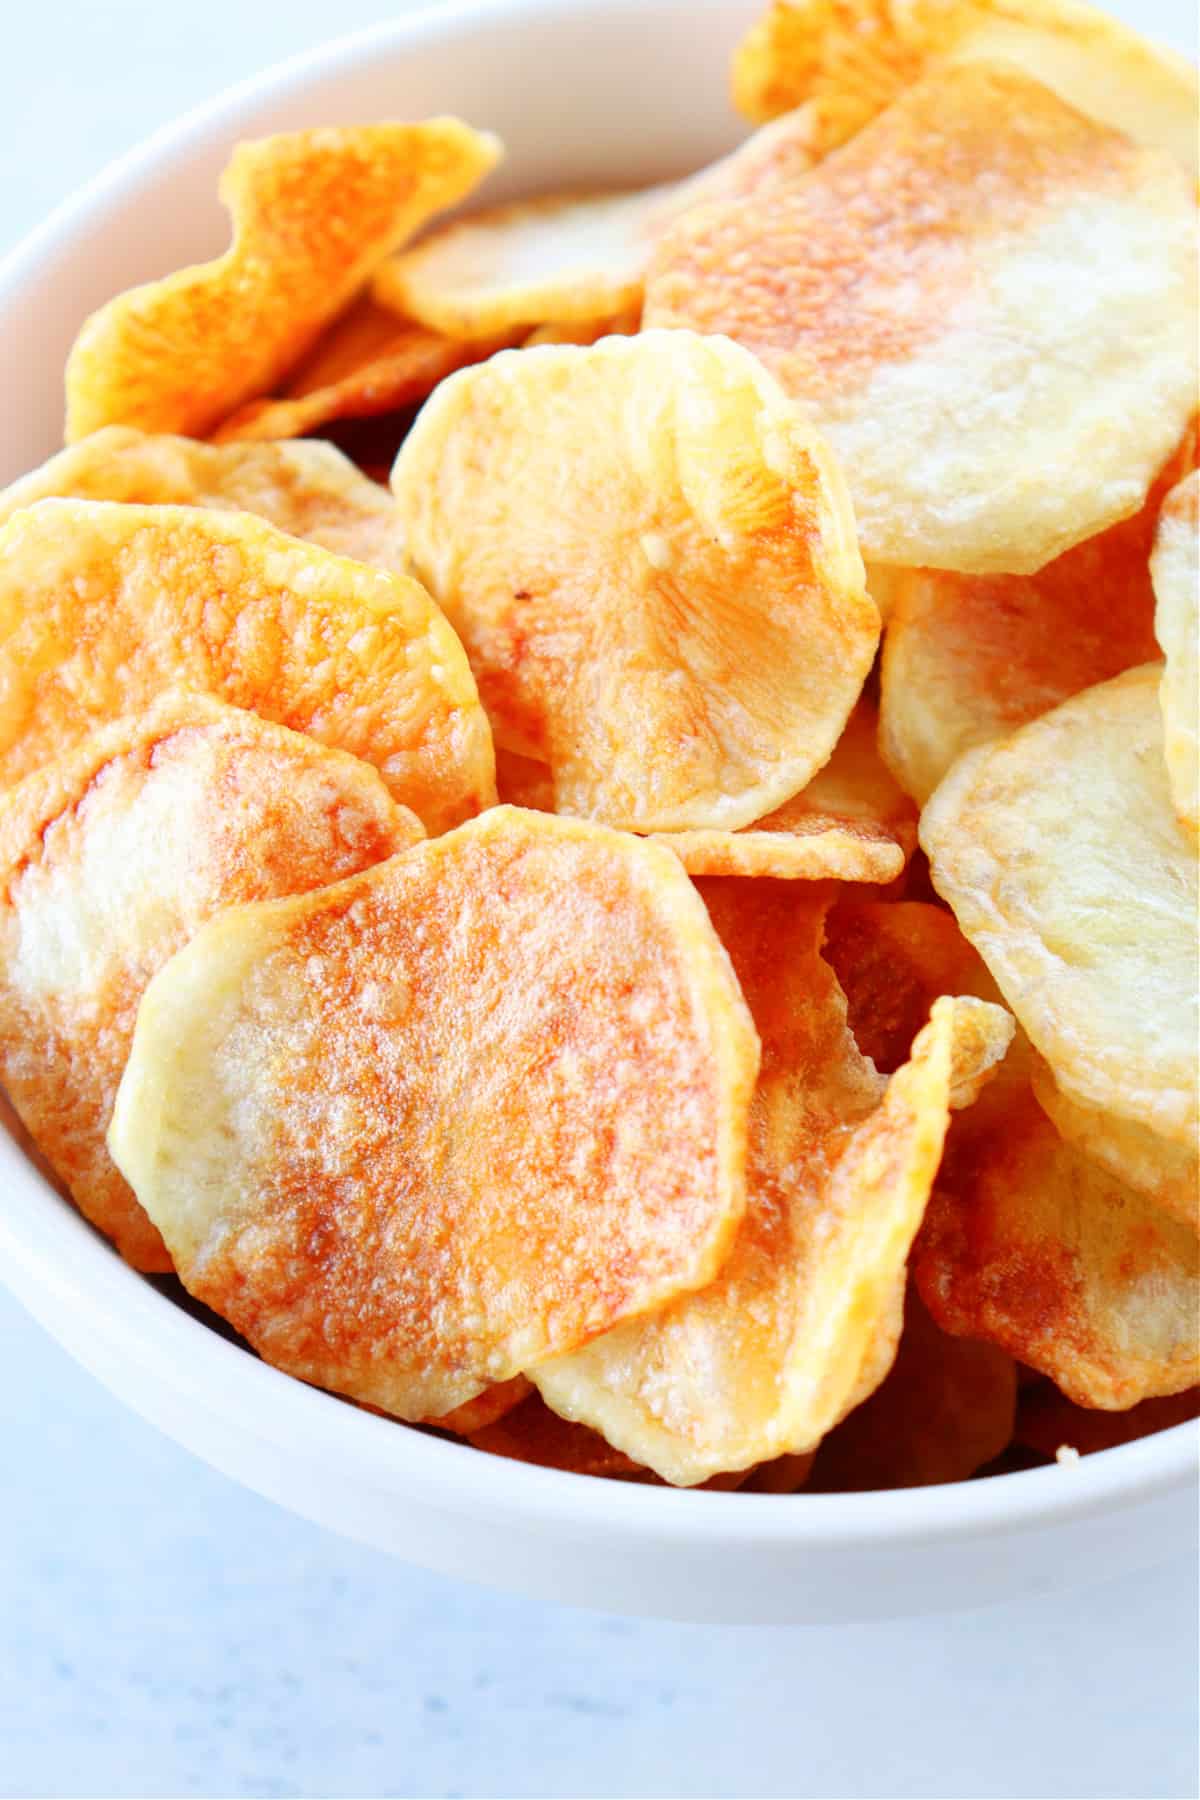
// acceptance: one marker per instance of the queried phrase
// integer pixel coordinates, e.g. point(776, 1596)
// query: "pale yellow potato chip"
point(1165, 1171)
point(314, 213)
point(449, 1117)
point(309, 490)
point(767, 1358)
point(968, 658)
point(947, 1407)
point(1000, 379)
point(586, 331)
point(1029, 1244)
point(110, 859)
point(103, 606)
point(1175, 567)
point(1060, 853)
point(651, 561)
point(848, 59)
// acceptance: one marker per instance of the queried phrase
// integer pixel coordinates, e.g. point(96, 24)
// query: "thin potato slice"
point(1165, 1171)
point(110, 859)
point(309, 490)
point(1000, 380)
point(314, 212)
point(1065, 865)
point(586, 331)
point(651, 561)
point(846, 60)
point(104, 606)
point(947, 1407)
point(773, 1353)
point(1175, 567)
point(1029, 1244)
point(449, 1117)
point(968, 658)
point(1047, 1421)
point(486, 1408)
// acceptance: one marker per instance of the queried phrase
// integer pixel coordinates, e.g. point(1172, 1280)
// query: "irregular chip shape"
point(770, 1355)
point(110, 860)
point(105, 606)
point(1061, 855)
point(947, 1407)
point(311, 491)
point(999, 380)
point(1164, 1170)
point(449, 1117)
point(651, 561)
point(1175, 567)
point(1030, 1245)
point(1047, 1421)
point(586, 331)
point(968, 658)
point(846, 60)
point(533, 1434)
point(314, 212)
point(486, 1408)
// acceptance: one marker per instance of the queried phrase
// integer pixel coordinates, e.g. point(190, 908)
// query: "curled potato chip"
point(1165, 1171)
point(1029, 1244)
point(947, 1407)
point(104, 606)
point(774, 1351)
point(1047, 1421)
point(486, 1408)
point(1000, 381)
point(1065, 865)
point(110, 859)
point(313, 213)
point(296, 1119)
point(846, 60)
point(369, 362)
point(309, 490)
point(651, 561)
point(967, 658)
point(1175, 567)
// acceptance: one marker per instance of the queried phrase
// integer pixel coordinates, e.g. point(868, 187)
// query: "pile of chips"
point(646, 916)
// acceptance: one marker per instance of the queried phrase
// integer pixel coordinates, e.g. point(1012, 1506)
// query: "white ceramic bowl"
point(582, 91)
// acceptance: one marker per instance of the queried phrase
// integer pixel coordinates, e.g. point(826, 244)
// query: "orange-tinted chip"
point(486, 1408)
point(313, 213)
point(1049, 1422)
point(110, 859)
point(534, 1434)
point(651, 561)
point(803, 1314)
point(416, 1132)
point(105, 606)
point(309, 490)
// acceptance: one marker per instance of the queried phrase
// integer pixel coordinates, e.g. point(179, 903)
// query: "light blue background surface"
point(164, 1633)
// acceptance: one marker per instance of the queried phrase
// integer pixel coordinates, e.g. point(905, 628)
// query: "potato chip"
point(967, 658)
point(586, 331)
point(1000, 380)
point(651, 561)
point(533, 1434)
point(567, 259)
point(1164, 1170)
point(783, 1475)
point(110, 859)
point(1175, 567)
point(486, 1408)
point(369, 362)
point(104, 606)
point(313, 213)
point(772, 1353)
point(1067, 869)
point(467, 1110)
point(947, 1407)
point(309, 490)
point(848, 59)
point(1030, 1245)
point(1047, 1421)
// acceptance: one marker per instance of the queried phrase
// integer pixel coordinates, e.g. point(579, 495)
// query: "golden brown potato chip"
point(110, 859)
point(848, 59)
point(1175, 567)
point(449, 1117)
point(104, 606)
point(1048, 1421)
point(534, 1434)
point(1060, 853)
point(967, 658)
point(486, 1408)
point(948, 1406)
point(309, 490)
point(773, 1352)
point(369, 362)
point(313, 213)
point(1164, 1170)
point(651, 561)
point(1000, 380)
point(1030, 1245)
point(783, 1475)
point(567, 259)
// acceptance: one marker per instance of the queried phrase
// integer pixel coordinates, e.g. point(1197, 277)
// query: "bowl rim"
point(49, 1250)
